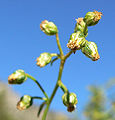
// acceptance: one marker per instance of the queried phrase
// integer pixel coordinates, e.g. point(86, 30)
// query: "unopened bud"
point(90, 50)
point(48, 28)
point(44, 59)
point(92, 18)
point(17, 77)
point(70, 100)
point(77, 41)
point(25, 102)
point(81, 26)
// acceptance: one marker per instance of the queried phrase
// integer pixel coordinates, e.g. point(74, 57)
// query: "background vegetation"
point(100, 106)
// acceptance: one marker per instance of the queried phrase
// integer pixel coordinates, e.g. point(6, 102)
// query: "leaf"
point(40, 108)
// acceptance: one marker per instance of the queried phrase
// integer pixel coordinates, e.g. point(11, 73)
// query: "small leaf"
point(40, 108)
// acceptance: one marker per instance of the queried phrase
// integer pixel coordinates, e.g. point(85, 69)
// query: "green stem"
point(55, 89)
point(32, 78)
point(40, 98)
point(62, 86)
point(68, 54)
point(63, 59)
point(59, 46)
point(54, 54)
point(54, 60)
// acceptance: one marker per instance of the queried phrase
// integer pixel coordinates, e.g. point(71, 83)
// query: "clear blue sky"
point(22, 41)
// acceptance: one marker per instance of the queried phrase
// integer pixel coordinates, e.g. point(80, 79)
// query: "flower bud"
point(90, 50)
point(81, 26)
point(70, 100)
point(44, 59)
point(49, 28)
point(25, 102)
point(92, 18)
point(77, 41)
point(17, 77)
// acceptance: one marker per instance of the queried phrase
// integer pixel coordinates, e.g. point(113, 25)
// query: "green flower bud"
point(90, 50)
point(77, 41)
point(70, 100)
point(81, 26)
point(49, 28)
point(25, 102)
point(44, 59)
point(17, 77)
point(92, 18)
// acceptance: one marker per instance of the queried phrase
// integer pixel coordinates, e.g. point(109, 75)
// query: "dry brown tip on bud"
point(41, 27)
point(11, 79)
point(71, 108)
point(96, 57)
point(98, 15)
point(72, 45)
point(79, 20)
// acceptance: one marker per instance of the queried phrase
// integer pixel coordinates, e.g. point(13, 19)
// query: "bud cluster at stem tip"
point(70, 100)
point(25, 102)
point(77, 39)
point(49, 28)
point(18, 77)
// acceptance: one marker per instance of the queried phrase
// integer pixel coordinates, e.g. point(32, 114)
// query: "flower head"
point(48, 28)
point(44, 59)
point(76, 41)
point(81, 26)
point(70, 100)
point(25, 102)
point(90, 50)
point(92, 18)
point(17, 77)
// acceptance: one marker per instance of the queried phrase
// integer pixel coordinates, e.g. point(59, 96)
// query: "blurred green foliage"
point(100, 106)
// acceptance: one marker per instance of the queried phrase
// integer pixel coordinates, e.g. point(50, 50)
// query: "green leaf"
point(40, 108)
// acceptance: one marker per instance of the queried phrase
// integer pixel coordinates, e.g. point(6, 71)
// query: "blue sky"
point(22, 41)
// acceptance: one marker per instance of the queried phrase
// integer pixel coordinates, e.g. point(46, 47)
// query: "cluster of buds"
point(18, 77)
point(77, 39)
point(49, 28)
point(44, 59)
point(70, 101)
point(25, 102)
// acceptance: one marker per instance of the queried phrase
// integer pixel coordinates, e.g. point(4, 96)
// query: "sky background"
point(22, 41)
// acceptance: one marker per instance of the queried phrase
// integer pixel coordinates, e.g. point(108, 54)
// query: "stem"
point(54, 60)
point(68, 54)
point(40, 98)
point(59, 46)
point(54, 54)
point(55, 89)
point(32, 78)
point(62, 86)
point(63, 59)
